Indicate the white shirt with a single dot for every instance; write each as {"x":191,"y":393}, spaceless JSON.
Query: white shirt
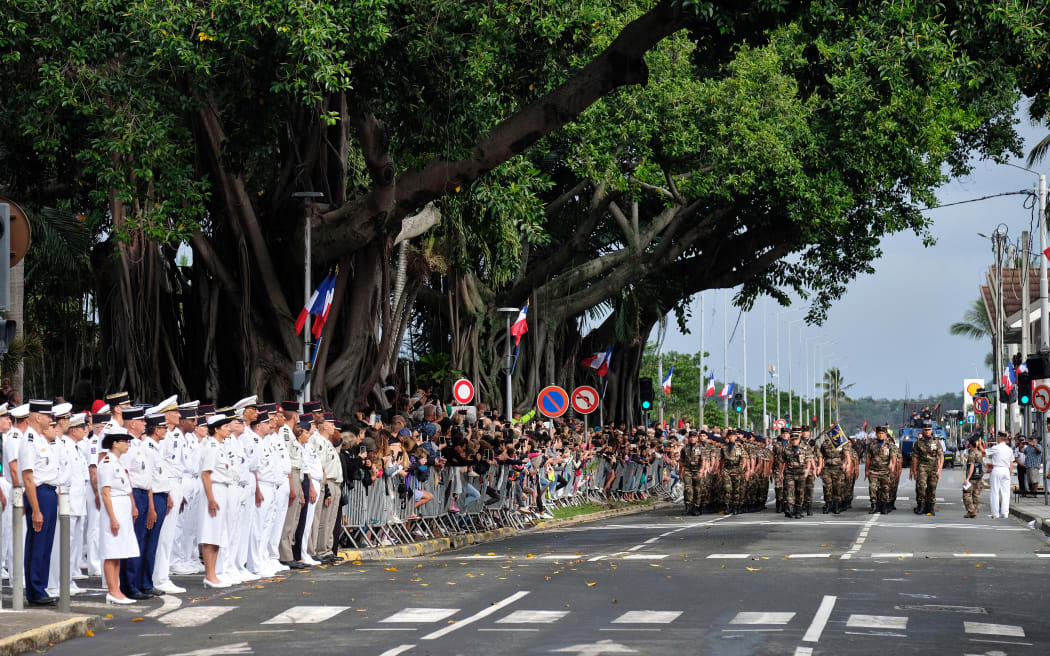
{"x":234,"y":448}
{"x":311,"y":462}
{"x":115,"y":476}
{"x":12,"y":439}
{"x":162,"y":467}
{"x":191,"y":455}
{"x":139,"y":462}
{"x":216,"y":459}
{"x":291,"y":445}
{"x":1001,"y":455}
{"x":79,"y":478}
{"x":38,"y":455}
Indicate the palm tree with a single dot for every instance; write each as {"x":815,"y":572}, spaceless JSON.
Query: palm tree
{"x":834,"y":389}
{"x":976,"y":325}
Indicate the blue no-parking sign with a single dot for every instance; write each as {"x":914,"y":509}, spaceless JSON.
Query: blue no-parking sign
{"x":552,"y":401}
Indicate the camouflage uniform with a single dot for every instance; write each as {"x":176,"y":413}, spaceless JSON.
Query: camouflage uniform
{"x":926,"y":455}
{"x":880,"y":455}
{"x":972,"y":497}
{"x":712,"y":487}
{"x":832,"y":475}
{"x":811,"y":478}
{"x":796,"y":459}
{"x":895,"y":472}
{"x":765,"y":460}
{"x":692,"y":483}
{"x":778,"y":485}
{"x":849,"y":454}
{"x":734,"y":461}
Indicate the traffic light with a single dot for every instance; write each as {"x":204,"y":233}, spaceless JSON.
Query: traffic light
{"x":7,"y":334}
{"x":645,"y":392}
{"x":1024,"y":388}
{"x":739,"y":403}
{"x":1007,"y":397}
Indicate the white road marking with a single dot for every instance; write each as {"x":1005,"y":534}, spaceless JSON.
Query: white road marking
{"x":236,"y":648}
{"x":560,"y":557}
{"x":824,"y":555}
{"x":749,"y":630}
{"x":645,"y":557}
{"x":168,"y":604}
{"x":881,"y":634}
{"x":194,"y":615}
{"x":974,"y":555}
{"x":593,"y":649}
{"x":413,"y":615}
{"x":762,"y":618}
{"x":820,"y":620}
{"x":306,"y":614}
{"x":892,"y":555}
{"x":803,"y":651}
{"x":1046,"y":555}
{"x":738,"y":556}
{"x":1001,"y":642}
{"x":877,"y":622}
{"x":648,"y":617}
{"x":651,"y":540}
{"x":400,"y":649}
{"x":637,"y":547}
{"x":1004,"y":630}
{"x":508,"y":630}
{"x":596,"y":558}
{"x":533,"y":617}
{"x":390,"y":628}
{"x":485,"y":612}
{"x":252,"y":632}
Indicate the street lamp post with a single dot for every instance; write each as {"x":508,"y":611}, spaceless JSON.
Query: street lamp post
{"x":791,"y":403}
{"x":509,"y":407}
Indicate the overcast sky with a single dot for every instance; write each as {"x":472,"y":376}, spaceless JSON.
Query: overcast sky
{"x":891,"y":328}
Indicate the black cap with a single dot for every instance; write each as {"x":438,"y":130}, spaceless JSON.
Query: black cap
{"x":100,"y":417}
{"x":155,"y":420}
{"x":39,"y":405}
{"x":118,"y":398}
{"x":312,"y":406}
{"x":134,"y":413}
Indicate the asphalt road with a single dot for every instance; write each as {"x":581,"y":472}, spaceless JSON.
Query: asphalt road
{"x":654,"y":583}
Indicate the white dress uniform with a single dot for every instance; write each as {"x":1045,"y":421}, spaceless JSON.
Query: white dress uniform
{"x":11,"y":441}
{"x":216,"y":459}
{"x":312,"y":452}
{"x":241,"y":494}
{"x":90,"y":450}
{"x":112,"y":474}
{"x":186,"y":559}
{"x":281,"y":466}
{"x":71,"y":486}
{"x":35,"y":453}
{"x":1001,"y":457}
{"x":170,"y":470}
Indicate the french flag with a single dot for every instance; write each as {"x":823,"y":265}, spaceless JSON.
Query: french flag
{"x":1009,"y":378}
{"x":325,"y":306}
{"x":599,"y":362}
{"x":667,"y":381}
{"x":710,"y":387}
{"x":727,"y":391}
{"x":519,"y":327}
{"x":316,"y":300}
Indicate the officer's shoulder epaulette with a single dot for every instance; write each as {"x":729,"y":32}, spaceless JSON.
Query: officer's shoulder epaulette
{"x":29,"y":438}
{"x":152,"y":445}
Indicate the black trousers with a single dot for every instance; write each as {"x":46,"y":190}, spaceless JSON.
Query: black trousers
{"x":1022,"y":480}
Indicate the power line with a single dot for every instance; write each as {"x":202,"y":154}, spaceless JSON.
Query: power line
{"x":1022,"y":192}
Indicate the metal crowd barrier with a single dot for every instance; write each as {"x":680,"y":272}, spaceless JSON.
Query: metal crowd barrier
{"x":384,"y":513}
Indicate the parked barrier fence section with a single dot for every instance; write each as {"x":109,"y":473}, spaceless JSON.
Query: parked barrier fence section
{"x":384,"y":512}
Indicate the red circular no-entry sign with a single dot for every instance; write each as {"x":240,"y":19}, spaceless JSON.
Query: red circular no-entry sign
{"x":585,"y":399}
{"x":463,"y":391}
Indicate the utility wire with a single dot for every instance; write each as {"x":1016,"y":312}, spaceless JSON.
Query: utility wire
{"x":1022,"y":192}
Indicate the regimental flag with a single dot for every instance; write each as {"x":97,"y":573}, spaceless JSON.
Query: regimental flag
{"x":599,"y":362}
{"x":836,"y":435}
{"x":710,"y":387}
{"x":316,"y":304}
{"x":520,"y":327}
{"x":1009,"y":378}
{"x":667,"y":381}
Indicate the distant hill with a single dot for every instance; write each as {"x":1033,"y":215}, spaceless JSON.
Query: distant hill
{"x":891,"y":411}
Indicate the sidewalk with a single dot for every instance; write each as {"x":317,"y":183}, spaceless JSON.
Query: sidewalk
{"x":1032,"y":510}
{"x":30,"y":630}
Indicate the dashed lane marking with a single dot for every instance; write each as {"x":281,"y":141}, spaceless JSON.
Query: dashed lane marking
{"x":974,"y":555}
{"x":400,"y":649}
{"x":420,"y":615}
{"x":877,"y":622}
{"x":762,"y":618}
{"x":533,"y":617}
{"x":820,"y":555}
{"x":645,"y":557}
{"x":1003,"y":630}
{"x":648,"y":617}
{"x":720,"y":555}
{"x":306,"y":615}
{"x":892,"y":555}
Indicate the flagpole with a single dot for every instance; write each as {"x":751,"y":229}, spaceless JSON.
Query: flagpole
{"x":308,"y":200}
{"x":700,"y":420}
{"x":509,"y":367}
{"x":765,"y":367}
{"x":725,"y":352}
{"x":744,"y":413}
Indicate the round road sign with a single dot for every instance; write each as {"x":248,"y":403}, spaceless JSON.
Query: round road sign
{"x":779,"y":423}
{"x":980,"y":405}
{"x":585,"y":399}
{"x":463,"y":391}
{"x":1041,"y":398}
{"x":20,"y":232}
{"x":552,"y":401}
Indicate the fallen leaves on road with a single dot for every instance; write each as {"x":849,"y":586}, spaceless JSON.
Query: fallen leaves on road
{"x":754,"y":569}
{"x":591,"y":585}
{"x":390,"y":569}
{"x":90,"y":634}
{"x":137,"y":619}
{"x":108,"y":616}
{"x":357,"y":562}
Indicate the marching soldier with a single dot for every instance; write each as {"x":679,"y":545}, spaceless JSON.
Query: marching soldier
{"x":797,"y":463}
{"x":778,"y":452}
{"x":692,"y":463}
{"x":850,"y":469}
{"x":734,"y":464}
{"x":829,"y":468}
{"x":877,"y":469}
{"x":811,"y":477}
{"x":927,"y":459}
{"x":895,"y":471}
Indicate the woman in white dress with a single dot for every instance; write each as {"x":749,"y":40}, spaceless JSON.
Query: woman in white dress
{"x":118,"y":513}
{"x":216,"y":477}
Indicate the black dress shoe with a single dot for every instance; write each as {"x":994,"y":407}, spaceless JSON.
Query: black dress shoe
{"x":43,"y":601}
{"x":139,"y":596}
{"x":297,"y":565}
{"x":153,"y":592}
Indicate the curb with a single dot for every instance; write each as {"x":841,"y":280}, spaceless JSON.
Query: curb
{"x":50,"y":634}
{"x":438,"y":545}
{"x":1024,"y":515}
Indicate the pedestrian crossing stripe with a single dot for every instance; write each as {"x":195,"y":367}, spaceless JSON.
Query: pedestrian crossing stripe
{"x":648,"y":617}
{"x":877,"y":622}
{"x":194,"y":616}
{"x":762,"y":618}
{"x":306,"y":614}
{"x":1004,"y":630}
{"x":420,"y":615}
{"x":533,"y":617}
